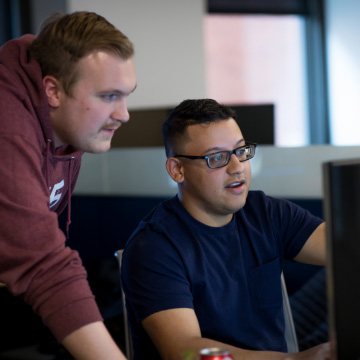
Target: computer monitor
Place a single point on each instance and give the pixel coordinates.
(342, 214)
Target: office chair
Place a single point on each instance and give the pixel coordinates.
(128, 341)
(290, 333)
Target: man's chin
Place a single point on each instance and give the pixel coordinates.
(97, 149)
(236, 207)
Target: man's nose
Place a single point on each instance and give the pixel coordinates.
(121, 112)
(234, 164)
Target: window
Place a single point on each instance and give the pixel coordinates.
(262, 51)
(257, 59)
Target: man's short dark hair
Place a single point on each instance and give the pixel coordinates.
(191, 112)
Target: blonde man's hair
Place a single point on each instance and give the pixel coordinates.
(66, 38)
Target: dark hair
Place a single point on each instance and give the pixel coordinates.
(66, 38)
(191, 112)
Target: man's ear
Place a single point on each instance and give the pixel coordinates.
(175, 169)
(52, 89)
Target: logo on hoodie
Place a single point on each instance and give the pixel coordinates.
(55, 196)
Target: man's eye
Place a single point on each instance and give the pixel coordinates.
(109, 97)
(217, 157)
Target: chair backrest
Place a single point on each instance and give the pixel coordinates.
(290, 333)
(128, 341)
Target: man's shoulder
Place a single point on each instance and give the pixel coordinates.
(257, 198)
(165, 208)
(160, 218)
(259, 205)
(161, 231)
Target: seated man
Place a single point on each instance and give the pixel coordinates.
(203, 268)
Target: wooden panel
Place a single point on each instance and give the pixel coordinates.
(144, 128)
(256, 122)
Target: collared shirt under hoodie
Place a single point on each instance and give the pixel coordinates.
(36, 182)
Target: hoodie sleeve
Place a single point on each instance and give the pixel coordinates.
(34, 261)
(35, 264)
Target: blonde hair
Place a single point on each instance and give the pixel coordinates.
(66, 38)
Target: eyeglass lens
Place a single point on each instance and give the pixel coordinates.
(222, 158)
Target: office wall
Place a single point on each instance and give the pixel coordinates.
(168, 38)
(169, 60)
(284, 172)
(40, 9)
(161, 31)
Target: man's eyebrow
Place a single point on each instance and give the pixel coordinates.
(217, 148)
(117, 91)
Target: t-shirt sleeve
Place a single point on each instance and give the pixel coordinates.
(294, 225)
(153, 275)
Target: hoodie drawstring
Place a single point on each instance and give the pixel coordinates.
(47, 162)
(68, 221)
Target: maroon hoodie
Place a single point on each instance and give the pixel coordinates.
(36, 181)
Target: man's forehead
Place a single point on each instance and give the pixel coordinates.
(206, 128)
(214, 136)
(108, 71)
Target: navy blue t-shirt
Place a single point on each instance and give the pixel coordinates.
(230, 275)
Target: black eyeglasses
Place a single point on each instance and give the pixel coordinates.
(222, 158)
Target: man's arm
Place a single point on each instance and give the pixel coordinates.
(176, 331)
(314, 250)
(92, 342)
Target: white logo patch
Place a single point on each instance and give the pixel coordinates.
(54, 196)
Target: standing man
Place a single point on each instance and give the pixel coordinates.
(62, 93)
(203, 269)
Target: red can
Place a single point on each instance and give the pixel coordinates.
(215, 354)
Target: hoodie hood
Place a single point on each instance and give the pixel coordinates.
(22, 75)
(27, 114)
(25, 76)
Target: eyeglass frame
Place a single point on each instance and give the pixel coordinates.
(229, 153)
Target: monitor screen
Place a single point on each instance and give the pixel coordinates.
(342, 215)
